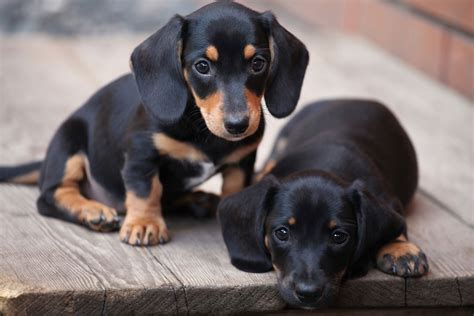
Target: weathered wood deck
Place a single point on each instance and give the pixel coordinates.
(50, 267)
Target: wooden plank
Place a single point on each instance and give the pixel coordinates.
(450, 249)
(38, 274)
(198, 257)
(53, 262)
(192, 273)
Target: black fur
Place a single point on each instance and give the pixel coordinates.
(347, 161)
(8, 173)
(114, 128)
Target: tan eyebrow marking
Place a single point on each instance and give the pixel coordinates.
(212, 53)
(249, 51)
(292, 221)
(332, 224)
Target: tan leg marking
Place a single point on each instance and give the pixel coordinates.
(233, 181)
(212, 53)
(144, 223)
(95, 215)
(269, 165)
(29, 178)
(249, 51)
(402, 258)
(177, 149)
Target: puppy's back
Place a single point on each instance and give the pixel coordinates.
(352, 138)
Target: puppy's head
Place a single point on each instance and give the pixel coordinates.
(225, 57)
(313, 229)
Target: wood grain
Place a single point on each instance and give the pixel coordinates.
(450, 248)
(51, 267)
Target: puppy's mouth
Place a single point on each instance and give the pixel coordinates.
(217, 128)
(234, 137)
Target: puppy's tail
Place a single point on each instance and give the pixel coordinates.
(27, 173)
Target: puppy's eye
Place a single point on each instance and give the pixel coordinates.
(202, 67)
(258, 64)
(339, 237)
(282, 233)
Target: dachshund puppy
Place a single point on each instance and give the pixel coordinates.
(329, 204)
(191, 108)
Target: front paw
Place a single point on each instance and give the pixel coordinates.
(138, 231)
(402, 258)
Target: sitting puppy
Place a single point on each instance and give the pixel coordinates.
(191, 108)
(330, 202)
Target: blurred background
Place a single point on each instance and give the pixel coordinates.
(435, 36)
(414, 55)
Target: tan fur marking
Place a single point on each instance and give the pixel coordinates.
(145, 207)
(249, 51)
(211, 103)
(269, 165)
(233, 181)
(266, 243)
(212, 111)
(254, 105)
(177, 149)
(332, 224)
(68, 195)
(212, 53)
(398, 249)
(292, 221)
(29, 178)
(241, 152)
(144, 220)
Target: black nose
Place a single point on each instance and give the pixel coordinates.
(307, 293)
(236, 124)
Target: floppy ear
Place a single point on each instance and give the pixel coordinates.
(288, 66)
(242, 217)
(156, 64)
(377, 224)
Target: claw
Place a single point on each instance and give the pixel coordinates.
(125, 239)
(394, 269)
(98, 220)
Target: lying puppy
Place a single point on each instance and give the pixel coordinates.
(191, 108)
(338, 180)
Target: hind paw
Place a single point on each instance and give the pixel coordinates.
(99, 217)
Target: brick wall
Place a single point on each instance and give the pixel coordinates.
(435, 36)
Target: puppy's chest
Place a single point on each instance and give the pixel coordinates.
(203, 170)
